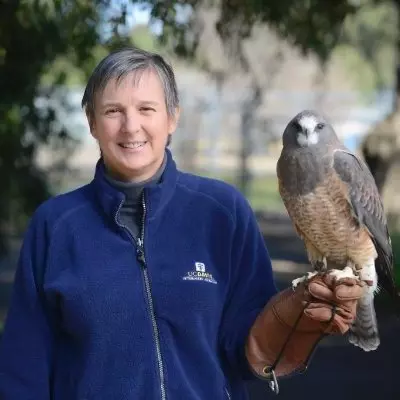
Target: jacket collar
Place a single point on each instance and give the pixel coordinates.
(157, 195)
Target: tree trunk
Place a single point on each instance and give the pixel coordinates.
(187, 147)
(247, 117)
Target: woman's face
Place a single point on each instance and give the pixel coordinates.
(132, 125)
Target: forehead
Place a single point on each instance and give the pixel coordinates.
(308, 122)
(142, 84)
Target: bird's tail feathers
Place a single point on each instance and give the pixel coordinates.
(364, 331)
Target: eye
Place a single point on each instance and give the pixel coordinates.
(320, 126)
(112, 111)
(297, 127)
(147, 109)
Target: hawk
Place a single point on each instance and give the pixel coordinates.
(334, 204)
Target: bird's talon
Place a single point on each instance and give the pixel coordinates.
(321, 265)
(302, 279)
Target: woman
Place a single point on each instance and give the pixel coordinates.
(147, 282)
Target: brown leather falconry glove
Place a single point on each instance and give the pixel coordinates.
(286, 332)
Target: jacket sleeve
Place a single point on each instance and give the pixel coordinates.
(251, 287)
(26, 343)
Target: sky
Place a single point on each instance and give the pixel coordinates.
(140, 15)
(137, 15)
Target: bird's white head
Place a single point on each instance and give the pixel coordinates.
(307, 129)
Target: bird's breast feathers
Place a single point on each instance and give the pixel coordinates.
(324, 215)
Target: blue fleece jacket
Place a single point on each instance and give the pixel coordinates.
(98, 315)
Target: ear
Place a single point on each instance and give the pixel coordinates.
(91, 123)
(173, 121)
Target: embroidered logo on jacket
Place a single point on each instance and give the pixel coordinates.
(199, 274)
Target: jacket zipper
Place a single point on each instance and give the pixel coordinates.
(142, 261)
(227, 393)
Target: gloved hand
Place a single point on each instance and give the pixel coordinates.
(286, 332)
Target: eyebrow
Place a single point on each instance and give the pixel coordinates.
(117, 104)
(149, 103)
(111, 104)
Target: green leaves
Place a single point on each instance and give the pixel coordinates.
(312, 25)
(33, 35)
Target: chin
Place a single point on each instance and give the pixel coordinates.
(139, 169)
(131, 166)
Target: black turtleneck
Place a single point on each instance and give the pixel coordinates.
(131, 211)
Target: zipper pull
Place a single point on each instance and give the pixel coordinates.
(140, 253)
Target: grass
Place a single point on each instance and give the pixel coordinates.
(264, 195)
(263, 192)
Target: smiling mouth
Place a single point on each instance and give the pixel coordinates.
(132, 145)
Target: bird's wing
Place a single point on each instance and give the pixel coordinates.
(368, 211)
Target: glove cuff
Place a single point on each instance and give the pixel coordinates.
(282, 330)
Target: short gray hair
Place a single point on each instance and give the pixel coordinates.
(120, 63)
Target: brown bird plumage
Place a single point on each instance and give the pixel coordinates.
(335, 206)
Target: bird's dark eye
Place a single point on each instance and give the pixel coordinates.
(320, 126)
(297, 126)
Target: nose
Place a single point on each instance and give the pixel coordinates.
(132, 122)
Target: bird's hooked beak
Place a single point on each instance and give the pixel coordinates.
(307, 137)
